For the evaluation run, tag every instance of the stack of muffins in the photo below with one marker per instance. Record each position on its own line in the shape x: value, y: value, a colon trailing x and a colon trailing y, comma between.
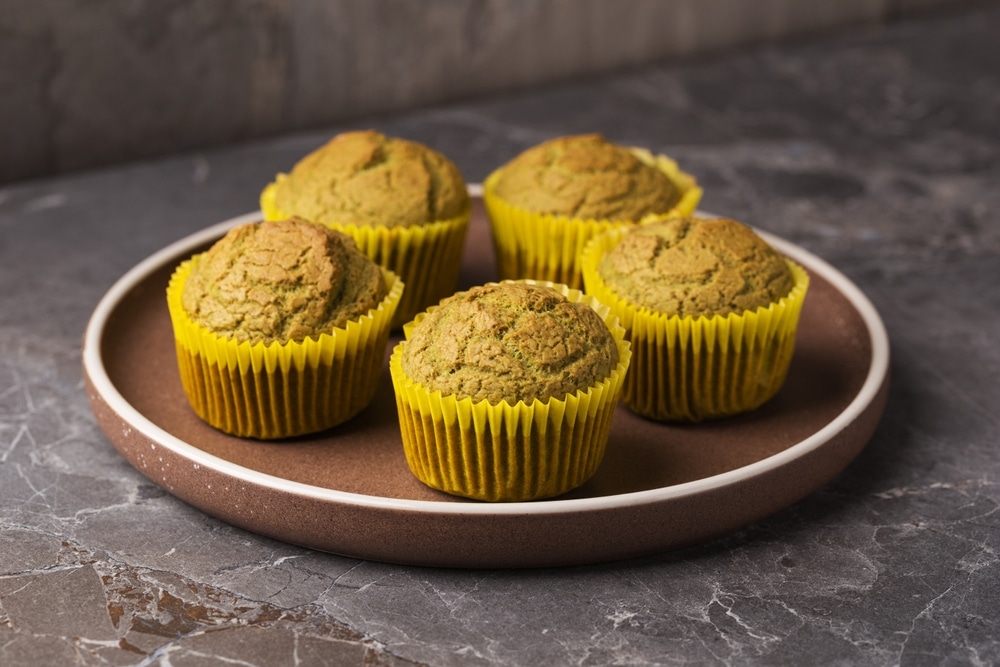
x: 610, y: 289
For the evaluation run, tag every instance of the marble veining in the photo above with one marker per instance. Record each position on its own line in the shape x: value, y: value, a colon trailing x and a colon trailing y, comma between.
x: 877, y: 150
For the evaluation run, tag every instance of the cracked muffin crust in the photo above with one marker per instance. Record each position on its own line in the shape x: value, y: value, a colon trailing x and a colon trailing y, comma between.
x: 367, y: 178
x: 281, y: 281
x: 696, y: 266
x: 586, y: 176
x: 512, y: 341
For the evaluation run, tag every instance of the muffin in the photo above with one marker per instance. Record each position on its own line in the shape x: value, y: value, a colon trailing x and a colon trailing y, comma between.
x: 546, y: 203
x: 506, y: 391
x: 711, y: 311
x: 406, y: 206
x: 280, y: 328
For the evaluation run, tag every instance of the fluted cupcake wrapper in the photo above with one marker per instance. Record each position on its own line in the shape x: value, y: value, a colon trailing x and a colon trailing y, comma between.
x: 547, y: 247
x: 508, y: 452
x: 428, y: 258
x: 280, y: 390
x: 691, y: 369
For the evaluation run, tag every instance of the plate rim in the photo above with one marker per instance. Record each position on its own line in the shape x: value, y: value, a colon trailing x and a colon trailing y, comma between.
x: 98, y: 376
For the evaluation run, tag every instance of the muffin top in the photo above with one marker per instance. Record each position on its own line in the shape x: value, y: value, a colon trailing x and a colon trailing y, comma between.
x: 696, y: 266
x: 367, y: 178
x: 510, y: 341
x: 282, y: 281
x: 585, y: 176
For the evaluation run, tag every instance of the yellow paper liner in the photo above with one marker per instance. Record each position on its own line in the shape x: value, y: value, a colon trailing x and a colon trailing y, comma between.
x: 503, y: 452
x: 690, y: 369
x: 280, y: 390
x: 428, y: 258
x: 547, y: 247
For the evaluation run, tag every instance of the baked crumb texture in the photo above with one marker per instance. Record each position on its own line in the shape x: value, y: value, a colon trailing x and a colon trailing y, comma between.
x: 546, y: 203
x: 281, y: 281
x: 711, y: 311
x: 280, y: 329
x: 696, y: 267
x: 506, y: 391
x: 512, y: 342
x: 586, y: 176
x: 367, y: 178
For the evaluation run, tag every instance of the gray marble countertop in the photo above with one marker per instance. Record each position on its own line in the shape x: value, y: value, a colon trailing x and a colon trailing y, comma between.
x: 878, y: 150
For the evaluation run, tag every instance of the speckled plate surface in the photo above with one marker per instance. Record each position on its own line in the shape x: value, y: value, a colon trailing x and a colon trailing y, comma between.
x: 349, y: 491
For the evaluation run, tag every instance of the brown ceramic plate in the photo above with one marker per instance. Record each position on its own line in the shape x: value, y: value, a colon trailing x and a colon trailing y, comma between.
x: 349, y: 491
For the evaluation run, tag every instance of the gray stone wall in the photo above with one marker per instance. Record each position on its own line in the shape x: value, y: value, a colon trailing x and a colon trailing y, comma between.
x: 92, y: 83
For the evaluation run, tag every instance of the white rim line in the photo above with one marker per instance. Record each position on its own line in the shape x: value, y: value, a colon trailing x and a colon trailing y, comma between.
x: 98, y: 375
